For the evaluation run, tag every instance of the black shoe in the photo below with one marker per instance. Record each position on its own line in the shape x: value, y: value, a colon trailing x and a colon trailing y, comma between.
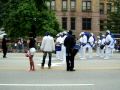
x: 49, y: 67
x: 72, y: 70
x: 4, y: 57
x: 42, y: 67
x: 67, y: 69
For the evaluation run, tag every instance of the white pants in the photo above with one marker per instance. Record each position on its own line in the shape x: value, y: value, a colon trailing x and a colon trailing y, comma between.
x: 81, y: 52
x: 98, y: 51
x: 58, y: 53
x: 102, y: 54
x: 90, y: 51
x: 63, y: 53
x: 107, y: 52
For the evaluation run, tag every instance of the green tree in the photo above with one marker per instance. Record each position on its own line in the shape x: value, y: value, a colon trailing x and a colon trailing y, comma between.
x: 113, y: 18
x: 2, y: 5
x: 25, y: 16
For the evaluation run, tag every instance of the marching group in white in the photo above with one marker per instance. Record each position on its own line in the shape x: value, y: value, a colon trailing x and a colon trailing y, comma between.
x: 87, y: 41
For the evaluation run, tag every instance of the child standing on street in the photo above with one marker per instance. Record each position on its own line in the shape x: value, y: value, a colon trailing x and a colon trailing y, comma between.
x: 30, y: 53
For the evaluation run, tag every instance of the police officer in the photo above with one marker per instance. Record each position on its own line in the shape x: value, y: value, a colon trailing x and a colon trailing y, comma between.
x: 69, y: 43
x: 4, y: 46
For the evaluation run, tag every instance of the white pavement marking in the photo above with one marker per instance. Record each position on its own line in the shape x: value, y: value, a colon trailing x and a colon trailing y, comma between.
x: 53, y: 64
x: 46, y: 85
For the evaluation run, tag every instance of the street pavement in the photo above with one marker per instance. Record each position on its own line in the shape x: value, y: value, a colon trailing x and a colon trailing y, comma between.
x: 90, y: 74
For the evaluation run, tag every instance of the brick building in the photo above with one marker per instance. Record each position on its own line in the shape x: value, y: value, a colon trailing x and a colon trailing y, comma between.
x: 81, y: 15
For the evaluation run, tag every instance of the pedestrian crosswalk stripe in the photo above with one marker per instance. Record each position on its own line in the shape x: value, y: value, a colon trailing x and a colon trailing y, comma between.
x: 46, y: 85
x: 53, y: 64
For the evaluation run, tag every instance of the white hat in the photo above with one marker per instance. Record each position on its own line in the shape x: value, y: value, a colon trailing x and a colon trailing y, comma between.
x: 60, y: 33
x: 98, y: 36
x: 57, y: 35
x: 64, y: 32
x: 92, y: 34
x: 82, y: 33
x: 103, y: 35
x: 108, y: 31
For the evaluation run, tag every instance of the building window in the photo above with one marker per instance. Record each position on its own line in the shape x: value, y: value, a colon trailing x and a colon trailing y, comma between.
x: 64, y: 5
x: 109, y: 7
x: 73, y: 5
x: 64, y: 23
x: 73, y: 23
x: 86, y: 23
x: 101, y: 25
x: 51, y: 4
x: 86, y: 6
x: 101, y: 8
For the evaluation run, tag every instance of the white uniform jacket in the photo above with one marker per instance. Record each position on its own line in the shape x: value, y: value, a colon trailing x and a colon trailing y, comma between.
x: 84, y: 39
x: 91, y: 40
x: 111, y: 40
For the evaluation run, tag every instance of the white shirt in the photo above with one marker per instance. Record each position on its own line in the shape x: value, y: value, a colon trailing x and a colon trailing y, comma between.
x: 58, y: 40
x: 99, y: 42
x: 48, y: 44
x: 109, y: 39
x: 91, y: 40
x: 84, y: 39
x: 80, y: 40
x: 103, y: 41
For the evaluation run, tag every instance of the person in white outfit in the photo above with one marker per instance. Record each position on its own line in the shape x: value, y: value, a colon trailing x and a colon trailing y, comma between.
x: 98, y: 42
x: 83, y: 45
x: 58, y: 47
x: 47, y: 46
x: 109, y: 44
x: 91, y: 43
x: 102, y: 46
x: 63, y: 49
x: 61, y: 40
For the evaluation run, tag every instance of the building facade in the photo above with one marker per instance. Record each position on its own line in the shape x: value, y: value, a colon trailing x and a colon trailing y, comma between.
x: 80, y: 15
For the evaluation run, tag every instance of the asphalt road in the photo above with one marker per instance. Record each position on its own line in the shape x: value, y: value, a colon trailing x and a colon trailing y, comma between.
x: 94, y: 74
x: 60, y: 80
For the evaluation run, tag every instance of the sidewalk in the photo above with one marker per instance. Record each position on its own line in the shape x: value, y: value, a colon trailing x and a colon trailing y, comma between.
x: 18, y: 61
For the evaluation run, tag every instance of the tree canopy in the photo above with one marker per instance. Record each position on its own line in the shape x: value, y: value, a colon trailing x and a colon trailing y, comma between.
x: 113, y: 18
x: 25, y: 16
x: 2, y: 5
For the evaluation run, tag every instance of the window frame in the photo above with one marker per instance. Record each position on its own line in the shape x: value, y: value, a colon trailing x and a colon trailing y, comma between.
x: 86, y: 8
x: 74, y: 7
x: 109, y: 7
x: 64, y: 23
x: 86, y: 23
x: 64, y: 8
x: 73, y: 23
x: 50, y: 5
x: 102, y: 8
